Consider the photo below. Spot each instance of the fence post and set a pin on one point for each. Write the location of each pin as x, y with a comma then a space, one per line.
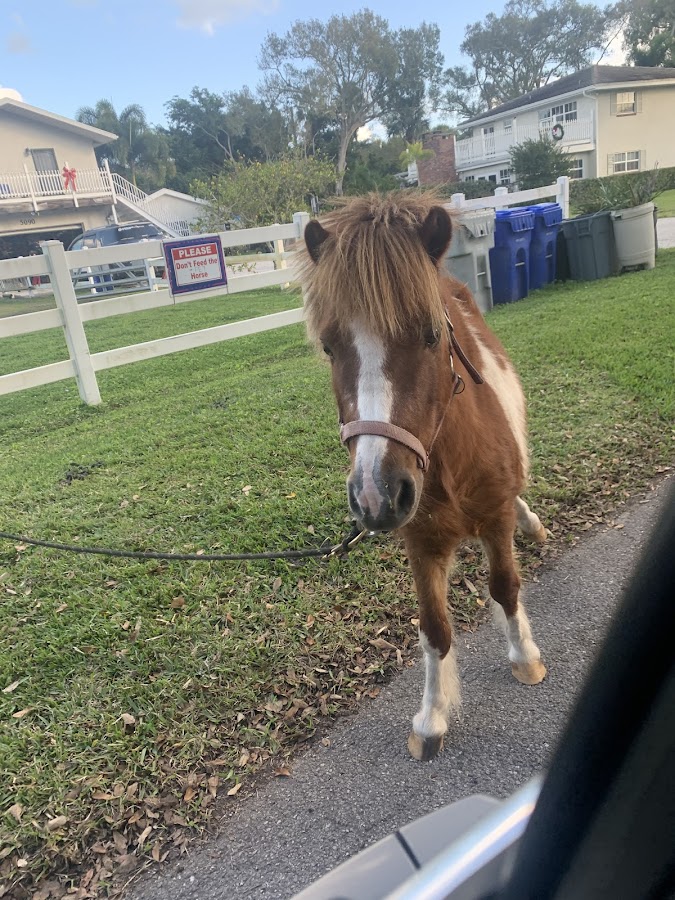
458, 200
502, 192
563, 195
76, 339
301, 220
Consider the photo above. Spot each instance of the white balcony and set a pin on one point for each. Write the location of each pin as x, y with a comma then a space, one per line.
47, 190
496, 146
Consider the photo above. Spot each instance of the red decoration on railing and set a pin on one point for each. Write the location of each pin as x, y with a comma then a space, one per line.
69, 176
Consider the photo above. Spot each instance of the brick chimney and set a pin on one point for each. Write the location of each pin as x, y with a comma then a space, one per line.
441, 167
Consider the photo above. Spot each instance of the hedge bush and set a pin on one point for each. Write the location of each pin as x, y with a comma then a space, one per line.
590, 195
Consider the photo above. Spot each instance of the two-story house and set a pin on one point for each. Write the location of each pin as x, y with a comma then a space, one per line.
609, 119
53, 188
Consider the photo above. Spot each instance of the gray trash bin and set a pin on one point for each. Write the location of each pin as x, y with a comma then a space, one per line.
468, 257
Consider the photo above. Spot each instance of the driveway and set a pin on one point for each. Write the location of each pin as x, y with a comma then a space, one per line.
665, 230
361, 785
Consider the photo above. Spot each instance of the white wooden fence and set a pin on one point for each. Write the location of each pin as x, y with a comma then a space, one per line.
57, 263
502, 198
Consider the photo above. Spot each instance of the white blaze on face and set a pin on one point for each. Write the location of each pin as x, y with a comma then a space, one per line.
374, 399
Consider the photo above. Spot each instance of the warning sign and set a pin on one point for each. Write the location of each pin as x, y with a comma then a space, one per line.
195, 264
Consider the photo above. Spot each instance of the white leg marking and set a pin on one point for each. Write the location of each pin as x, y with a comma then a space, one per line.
374, 400
522, 648
441, 691
528, 522
507, 387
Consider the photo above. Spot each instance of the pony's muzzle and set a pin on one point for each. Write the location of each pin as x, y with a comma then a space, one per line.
382, 504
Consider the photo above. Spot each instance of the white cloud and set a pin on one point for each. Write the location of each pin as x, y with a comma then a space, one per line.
18, 44
208, 15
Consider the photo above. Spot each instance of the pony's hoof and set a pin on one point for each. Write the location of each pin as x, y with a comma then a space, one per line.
541, 536
424, 749
529, 673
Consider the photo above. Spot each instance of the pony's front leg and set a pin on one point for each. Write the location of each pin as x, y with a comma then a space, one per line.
441, 686
508, 611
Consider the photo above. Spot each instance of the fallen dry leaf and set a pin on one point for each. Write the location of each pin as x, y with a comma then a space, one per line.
129, 722
58, 822
247, 489
283, 772
178, 602
16, 810
382, 644
234, 790
21, 713
12, 687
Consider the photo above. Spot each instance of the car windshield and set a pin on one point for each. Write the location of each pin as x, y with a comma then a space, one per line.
128, 234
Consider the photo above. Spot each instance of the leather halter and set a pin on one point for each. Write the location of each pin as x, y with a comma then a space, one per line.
400, 435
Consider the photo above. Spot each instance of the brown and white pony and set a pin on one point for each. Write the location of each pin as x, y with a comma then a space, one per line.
394, 324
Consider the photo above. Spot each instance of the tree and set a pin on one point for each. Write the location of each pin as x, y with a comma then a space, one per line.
532, 42
372, 165
344, 71
540, 162
649, 33
262, 193
418, 78
140, 153
208, 131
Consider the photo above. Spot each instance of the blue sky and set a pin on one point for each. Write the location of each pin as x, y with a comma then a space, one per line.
64, 54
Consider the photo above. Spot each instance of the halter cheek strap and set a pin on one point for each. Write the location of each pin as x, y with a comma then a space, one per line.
400, 435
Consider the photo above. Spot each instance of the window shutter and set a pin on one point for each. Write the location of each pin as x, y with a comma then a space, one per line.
612, 104
638, 101
610, 163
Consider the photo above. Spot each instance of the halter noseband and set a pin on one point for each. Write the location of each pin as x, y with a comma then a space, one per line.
400, 435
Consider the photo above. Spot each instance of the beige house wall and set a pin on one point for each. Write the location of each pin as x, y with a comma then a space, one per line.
650, 130
54, 219
18, 133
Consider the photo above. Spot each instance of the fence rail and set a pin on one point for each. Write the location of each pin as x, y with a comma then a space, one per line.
502, 198
58, 264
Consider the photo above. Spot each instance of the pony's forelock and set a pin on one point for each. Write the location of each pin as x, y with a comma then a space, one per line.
373, 267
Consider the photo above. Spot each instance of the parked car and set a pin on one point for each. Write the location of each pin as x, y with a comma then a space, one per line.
134, 273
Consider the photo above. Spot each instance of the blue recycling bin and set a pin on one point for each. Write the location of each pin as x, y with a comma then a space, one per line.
547, 219
510, 257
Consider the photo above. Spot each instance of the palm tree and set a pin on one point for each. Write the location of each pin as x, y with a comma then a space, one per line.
140, 150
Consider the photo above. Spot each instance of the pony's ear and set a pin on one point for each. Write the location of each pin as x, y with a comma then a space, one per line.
315, 235
436, 232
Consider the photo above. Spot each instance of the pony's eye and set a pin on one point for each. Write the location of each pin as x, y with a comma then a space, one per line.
431, 337
327, 351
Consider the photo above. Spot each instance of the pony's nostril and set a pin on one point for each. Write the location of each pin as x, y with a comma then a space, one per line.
405, 497
354, 504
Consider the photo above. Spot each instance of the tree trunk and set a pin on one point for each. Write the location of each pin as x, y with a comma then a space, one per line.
347, 132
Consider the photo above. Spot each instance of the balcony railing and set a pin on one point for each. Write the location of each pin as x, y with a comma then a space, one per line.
34, 186
486, 147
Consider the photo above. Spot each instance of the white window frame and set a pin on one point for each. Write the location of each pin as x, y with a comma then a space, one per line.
508, 126
626, 161
577, 168
626, 107
558, 114
505, 176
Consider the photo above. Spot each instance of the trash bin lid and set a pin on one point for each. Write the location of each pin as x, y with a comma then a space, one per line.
479, 224
519, 219
551, 213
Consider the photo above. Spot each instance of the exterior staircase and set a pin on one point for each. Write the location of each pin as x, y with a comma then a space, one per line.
160, 214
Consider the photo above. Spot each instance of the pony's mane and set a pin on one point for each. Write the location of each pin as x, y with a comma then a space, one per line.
373, 267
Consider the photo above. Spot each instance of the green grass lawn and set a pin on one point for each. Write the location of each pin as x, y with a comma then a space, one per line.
666, 204
132, 693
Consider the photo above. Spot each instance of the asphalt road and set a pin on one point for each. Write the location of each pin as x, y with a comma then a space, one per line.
343, 797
